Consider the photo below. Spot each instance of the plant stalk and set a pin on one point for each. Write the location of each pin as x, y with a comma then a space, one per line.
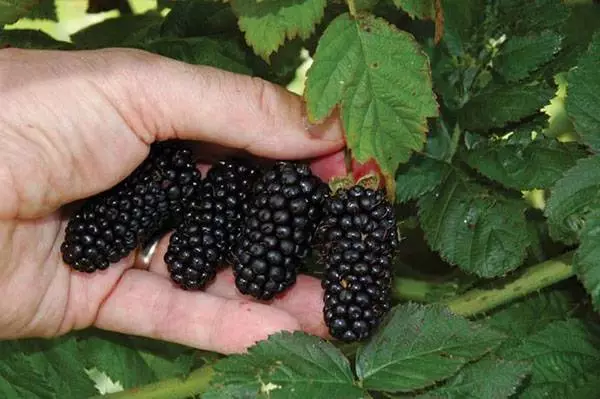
532, 279
351, 7
174, 388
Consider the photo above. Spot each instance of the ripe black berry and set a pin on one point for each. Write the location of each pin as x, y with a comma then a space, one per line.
112, 224
279, 225
357, 237
211, 224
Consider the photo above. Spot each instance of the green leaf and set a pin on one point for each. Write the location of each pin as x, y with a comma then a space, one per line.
579, 28
31, 39
199, 18
521, 55
564, 356
528, 316
496, 105
524, 165
420, 345
224, 54
12, 10
487, 378
587, 257
46, 9
422, 9
572, 198
520, 18
420, 178
267, 24
41, 368
481, 231
461, 19
117, 360
287, 365
121, 31
583, 101
381, 78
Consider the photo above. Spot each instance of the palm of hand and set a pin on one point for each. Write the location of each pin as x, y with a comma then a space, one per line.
55, 158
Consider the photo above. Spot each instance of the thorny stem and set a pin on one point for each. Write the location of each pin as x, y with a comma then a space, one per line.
473, 302
532, 279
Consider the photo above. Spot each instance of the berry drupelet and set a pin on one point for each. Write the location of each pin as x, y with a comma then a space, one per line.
211, 224
279, 225
152, 198
358, 236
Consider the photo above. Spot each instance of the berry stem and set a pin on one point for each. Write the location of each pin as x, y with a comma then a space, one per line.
196, 383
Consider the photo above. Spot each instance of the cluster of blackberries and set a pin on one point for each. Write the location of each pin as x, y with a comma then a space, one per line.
358, 236
264, 221
152, 198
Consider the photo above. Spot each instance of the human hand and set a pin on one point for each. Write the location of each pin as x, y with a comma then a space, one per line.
74, 124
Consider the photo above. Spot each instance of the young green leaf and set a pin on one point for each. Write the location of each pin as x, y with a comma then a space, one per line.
12, 10
381, 78
40, 368
420, 178
497, 104
420, 345
572, 198
287, 365
224, 54
521, 55
524, 165
582, 102
267, 24
488, 378
481, 231
587, 257
565, 355
32, 39
422, 9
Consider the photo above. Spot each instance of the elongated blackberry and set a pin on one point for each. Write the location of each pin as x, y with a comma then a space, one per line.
279, 225
358, 237
211, 224
113, 223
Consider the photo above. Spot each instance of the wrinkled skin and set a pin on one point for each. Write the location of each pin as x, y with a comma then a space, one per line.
74, 124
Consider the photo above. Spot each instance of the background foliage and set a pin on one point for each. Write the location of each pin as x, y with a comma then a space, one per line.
484, 119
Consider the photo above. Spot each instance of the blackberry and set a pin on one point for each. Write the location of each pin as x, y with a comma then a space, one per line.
279, 225
113, 223
357, 236
211, 224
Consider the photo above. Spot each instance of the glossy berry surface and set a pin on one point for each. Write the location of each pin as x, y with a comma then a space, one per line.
210, 225
278, 229
357, 238
110, 225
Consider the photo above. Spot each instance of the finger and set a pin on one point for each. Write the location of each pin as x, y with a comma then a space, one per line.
233, 110
148, 305
330, 165
304, 300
